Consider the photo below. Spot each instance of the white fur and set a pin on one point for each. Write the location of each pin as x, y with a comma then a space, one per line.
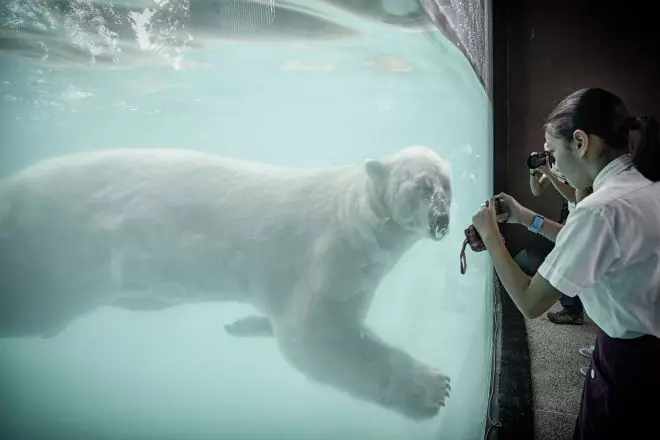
156, 228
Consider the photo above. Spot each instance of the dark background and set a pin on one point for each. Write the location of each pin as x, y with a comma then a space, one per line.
542, 51
551, 49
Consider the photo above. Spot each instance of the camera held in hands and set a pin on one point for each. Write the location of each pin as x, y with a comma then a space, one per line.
536, 160
472, 237
500, 212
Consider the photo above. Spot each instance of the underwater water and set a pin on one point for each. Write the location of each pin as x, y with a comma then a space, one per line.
304, 101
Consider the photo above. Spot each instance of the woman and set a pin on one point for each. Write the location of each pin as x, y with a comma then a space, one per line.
608, 253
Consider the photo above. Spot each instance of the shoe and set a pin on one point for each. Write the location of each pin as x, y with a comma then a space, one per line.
563, 317
587, 351
584, 371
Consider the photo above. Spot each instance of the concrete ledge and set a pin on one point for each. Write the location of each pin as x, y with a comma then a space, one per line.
513, 382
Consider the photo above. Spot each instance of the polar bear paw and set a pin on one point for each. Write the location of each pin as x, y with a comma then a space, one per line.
421, 395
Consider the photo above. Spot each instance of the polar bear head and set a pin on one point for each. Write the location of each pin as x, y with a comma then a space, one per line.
414, 187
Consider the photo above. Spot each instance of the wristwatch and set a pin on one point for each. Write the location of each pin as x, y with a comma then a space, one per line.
535, 227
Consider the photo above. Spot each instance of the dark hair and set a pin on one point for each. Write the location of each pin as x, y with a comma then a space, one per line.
601, 113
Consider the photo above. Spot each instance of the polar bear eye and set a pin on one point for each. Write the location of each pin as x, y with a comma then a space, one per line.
426, 191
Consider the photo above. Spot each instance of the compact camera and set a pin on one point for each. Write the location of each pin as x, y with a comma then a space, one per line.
535, 160
473, 238
500, 213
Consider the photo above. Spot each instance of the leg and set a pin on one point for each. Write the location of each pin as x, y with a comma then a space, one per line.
572, 313
140, 304
250, 326
573, 306
577, 304
46, 319
354, 360
35, 306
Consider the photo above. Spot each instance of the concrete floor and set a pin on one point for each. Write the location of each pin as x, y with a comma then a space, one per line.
556, 379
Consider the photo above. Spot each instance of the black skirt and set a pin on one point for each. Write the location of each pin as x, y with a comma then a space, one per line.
621, 394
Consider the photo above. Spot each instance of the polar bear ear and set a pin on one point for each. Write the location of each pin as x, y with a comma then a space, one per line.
376, 170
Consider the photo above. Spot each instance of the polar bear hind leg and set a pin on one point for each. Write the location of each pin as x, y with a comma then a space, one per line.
250, 326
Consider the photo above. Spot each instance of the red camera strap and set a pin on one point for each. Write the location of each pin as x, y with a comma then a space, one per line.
472, 238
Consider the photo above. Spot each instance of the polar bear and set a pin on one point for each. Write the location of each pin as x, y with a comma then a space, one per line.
146, 229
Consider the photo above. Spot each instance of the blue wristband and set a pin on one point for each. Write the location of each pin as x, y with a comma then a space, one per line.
536, 224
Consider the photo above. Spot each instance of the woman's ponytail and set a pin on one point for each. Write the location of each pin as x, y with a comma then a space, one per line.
646, 153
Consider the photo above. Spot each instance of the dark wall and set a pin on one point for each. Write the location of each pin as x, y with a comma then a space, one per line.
542, 51
553, 48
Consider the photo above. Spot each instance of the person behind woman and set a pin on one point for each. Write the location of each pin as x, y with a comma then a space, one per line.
542, 177
572, 309
538, 185
608, 253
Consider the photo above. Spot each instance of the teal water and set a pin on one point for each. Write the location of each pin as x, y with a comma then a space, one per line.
174, 374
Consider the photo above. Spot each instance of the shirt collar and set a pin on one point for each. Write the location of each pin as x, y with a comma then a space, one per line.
615, 167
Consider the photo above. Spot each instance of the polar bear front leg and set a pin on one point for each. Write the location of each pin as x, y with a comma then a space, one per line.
356, 361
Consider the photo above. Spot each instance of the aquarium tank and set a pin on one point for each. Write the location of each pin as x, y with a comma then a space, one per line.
241, 113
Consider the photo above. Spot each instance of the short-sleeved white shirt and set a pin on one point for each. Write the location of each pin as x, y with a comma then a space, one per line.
608, 252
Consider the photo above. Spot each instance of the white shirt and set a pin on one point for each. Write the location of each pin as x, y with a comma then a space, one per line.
608, 252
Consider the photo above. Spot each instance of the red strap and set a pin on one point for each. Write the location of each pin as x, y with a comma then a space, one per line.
476, 244
463, 262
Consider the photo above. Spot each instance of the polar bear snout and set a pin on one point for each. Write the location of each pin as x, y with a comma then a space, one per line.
438, 216
438, 224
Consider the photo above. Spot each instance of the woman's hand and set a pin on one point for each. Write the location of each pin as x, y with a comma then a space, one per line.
517, 213
544, 169
485, 221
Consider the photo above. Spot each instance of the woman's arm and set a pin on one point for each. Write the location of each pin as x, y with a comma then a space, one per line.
532, 296
584, 253
549, 229
566, 190
537, 186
